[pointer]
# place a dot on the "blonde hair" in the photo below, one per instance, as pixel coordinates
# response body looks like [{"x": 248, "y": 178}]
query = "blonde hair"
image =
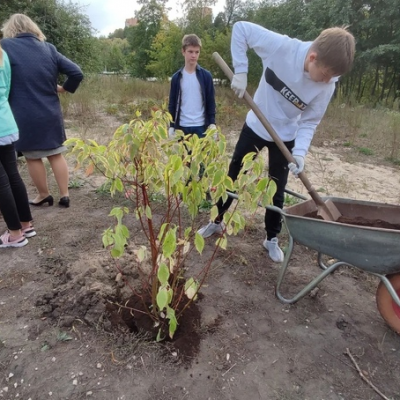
[
  {"x": 191, "y": 40},
  {"x": 335, "y": 48},
  {"x": 21, "y": 23}
]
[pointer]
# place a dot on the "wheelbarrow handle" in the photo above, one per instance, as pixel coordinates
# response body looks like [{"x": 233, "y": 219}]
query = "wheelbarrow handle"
[
  {"x": 271, "y": 208},
  {"x": 285, "y": 151},
  {"x": 295, "y": 194}
]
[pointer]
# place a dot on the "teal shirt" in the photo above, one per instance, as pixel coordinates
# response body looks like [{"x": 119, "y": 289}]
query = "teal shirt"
[{"x": 8, "y": 126}]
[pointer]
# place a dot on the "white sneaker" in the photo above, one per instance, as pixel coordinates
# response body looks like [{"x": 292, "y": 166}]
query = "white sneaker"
[
  {"x": 274, "y": 251},
  {"x": 211, "y": 228}
]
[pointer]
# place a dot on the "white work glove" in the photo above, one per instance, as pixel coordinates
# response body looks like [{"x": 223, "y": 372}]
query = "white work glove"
[
  {"x": 215, "y": 135},
  {"x": 239, "y": 84},
  {"x": 295, "y": 169},
  {"x": 171, "y": 133}
]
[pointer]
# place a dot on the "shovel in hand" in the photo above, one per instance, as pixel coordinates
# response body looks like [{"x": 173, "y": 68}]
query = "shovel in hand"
[{"x": 326, "y": 209}]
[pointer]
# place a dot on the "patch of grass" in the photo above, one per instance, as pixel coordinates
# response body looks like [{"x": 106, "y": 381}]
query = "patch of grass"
[
  {"x": 393, "y": 161},
  {"x": 290, "y": 200},
  {"x": 366, "y": 151},
  {"x": 104, "y": 188},
  {"x": 112, "y": 109},
  {"x": 75, "y": 184}
]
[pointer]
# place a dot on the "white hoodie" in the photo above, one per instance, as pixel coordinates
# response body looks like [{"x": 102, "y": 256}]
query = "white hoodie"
[{"x": 292, "y": 102}]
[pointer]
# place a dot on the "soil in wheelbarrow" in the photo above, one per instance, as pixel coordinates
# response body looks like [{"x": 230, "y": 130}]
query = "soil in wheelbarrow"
[{"x": 359, "y": 221}]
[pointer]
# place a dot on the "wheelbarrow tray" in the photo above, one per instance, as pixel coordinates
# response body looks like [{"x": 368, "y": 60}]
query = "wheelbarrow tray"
[{"x": 375, "y": 250}]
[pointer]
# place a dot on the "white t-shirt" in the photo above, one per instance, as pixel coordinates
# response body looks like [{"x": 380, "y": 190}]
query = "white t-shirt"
[
  {"x": 192, "y": 107},
  {"x": 292, "y": 103}
]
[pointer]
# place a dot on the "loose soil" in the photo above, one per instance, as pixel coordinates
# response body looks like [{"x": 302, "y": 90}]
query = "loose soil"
[
  {"x": 63, "y": 335},
  {"x": 360, "y": 221}
]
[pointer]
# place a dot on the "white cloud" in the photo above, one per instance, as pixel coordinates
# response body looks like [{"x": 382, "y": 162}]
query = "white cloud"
[{"x": 108, "y": 15}]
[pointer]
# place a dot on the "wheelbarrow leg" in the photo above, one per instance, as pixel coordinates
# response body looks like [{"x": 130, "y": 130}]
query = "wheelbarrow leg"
[
  {"x": 324, "y": 266},
  {"x": 310, "y": 286}
]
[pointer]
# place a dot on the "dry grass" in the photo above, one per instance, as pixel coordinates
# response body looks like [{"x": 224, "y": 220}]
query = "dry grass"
[{"x": 371, "y": 134}]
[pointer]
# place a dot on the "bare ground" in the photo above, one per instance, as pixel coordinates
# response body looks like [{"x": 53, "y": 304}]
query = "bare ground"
[{"x": 57, "y": 340}]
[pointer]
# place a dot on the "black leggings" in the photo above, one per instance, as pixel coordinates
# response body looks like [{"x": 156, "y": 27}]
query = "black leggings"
[
  {"x": 14, "y": 204},
  {"x": 277, "y": 170}
]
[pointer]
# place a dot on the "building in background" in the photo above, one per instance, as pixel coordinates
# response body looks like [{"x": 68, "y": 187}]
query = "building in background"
[{"x": 131, "y": 22}]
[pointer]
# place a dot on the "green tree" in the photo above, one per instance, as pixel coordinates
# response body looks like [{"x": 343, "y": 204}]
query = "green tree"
[
  {"x": 64, "y": 24},
  {"x": 113, "y": 54},
  {"x": 165, "y": 53},
  {"x": 140, "y": 37},
  {"x": 117, "y": 34}
]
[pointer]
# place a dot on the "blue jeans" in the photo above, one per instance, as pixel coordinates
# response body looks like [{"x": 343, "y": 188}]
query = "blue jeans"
[
  {"x": 194, "y": 130},
  {"x": 278, "y": 171},
  {"x": 14, "y": 203},
  {"x": 200, "y": 132}
]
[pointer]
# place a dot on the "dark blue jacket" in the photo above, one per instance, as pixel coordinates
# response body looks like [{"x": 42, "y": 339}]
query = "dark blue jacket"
[
  {"x": 207, "y": 91},
  {"x": 35, "y": 66}
]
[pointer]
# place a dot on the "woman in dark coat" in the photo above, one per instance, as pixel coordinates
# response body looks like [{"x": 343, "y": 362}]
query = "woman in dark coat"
[{"x": 35, "y": 66}]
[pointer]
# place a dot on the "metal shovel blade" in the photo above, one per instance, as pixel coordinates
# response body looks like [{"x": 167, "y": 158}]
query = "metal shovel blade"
[{"x": 328, "y": 211}]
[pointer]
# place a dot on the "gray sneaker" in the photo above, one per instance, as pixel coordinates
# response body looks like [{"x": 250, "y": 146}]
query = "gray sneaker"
[
  {"x": 211, "y": 228},
  {"x": 274, "y": 251}
]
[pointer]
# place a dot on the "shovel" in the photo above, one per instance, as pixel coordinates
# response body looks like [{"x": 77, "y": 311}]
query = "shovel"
[{"x": 326, "y": 210}]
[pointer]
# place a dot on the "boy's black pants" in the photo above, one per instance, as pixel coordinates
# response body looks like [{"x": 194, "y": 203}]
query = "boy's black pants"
[{"x": 278, "y": 170}]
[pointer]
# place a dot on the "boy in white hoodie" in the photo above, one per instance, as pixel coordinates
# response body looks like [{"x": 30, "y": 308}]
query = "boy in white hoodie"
[{"x": 295, "y": 88}]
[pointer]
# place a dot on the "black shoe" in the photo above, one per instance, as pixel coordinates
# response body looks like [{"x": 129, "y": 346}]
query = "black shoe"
[
  {"x": 64, "y": 202},
  {"x": 49, "y": 199}
]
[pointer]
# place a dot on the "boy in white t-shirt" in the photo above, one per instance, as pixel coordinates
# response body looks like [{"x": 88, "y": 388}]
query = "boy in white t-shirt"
[
  {"x": 294, "y": 91},
  {"x": 192, "y": 97}
]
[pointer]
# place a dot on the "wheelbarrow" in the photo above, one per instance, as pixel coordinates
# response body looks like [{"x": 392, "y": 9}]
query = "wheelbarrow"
[{"x": 373, "y": 250}]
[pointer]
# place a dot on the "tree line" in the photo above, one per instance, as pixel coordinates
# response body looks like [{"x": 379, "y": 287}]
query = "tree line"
[{"x": 152, "y": 48}]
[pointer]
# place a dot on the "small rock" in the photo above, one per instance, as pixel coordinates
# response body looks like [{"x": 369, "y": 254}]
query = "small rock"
[
  {"x": 75, "y": 382},
  {"x": 341, "y": 323},
  {"x": 98, "y": 366}
]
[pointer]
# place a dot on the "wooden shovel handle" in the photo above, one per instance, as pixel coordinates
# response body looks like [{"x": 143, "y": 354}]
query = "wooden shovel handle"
[{"x": 285, "y": 151}]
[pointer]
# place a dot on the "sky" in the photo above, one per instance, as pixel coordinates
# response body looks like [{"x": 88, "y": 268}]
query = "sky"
[{"x": 108, "y": 15}]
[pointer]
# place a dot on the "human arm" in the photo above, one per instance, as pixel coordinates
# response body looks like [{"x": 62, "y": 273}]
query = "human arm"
[
  {"x": 172, "y": 100},
  {"x": 70, "y": 69},
  {"x": 247, "y": 35},
  {"x": 60, "y": 89}
]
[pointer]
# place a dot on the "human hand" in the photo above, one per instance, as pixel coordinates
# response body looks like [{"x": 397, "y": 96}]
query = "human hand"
[
  {"x": 213, "y": 126},
  {"x": 295, "y": 169},
  {"x": 239, "y": 84},
  {"x": 171, "y": 133},
  {"x": 60, "y": 89}
]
